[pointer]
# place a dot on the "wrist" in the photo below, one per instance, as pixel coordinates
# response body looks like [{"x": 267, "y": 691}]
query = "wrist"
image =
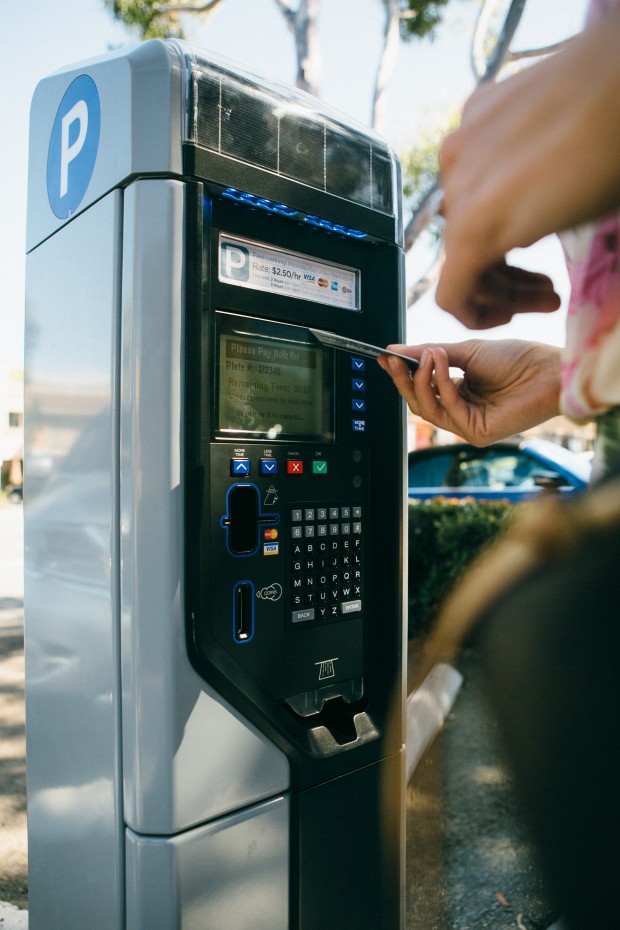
[{"x": 550, "y": 382}]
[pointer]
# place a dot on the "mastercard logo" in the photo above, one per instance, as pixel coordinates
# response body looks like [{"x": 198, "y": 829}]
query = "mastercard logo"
[{"x": 323, "y": 282}]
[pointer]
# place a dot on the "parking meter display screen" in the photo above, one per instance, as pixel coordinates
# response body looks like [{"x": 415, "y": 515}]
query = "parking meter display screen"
[{"x": 274, "y": 389}]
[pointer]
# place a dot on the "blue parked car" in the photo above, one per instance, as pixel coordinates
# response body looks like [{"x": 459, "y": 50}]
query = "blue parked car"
[{"x": 513, "y": 471}]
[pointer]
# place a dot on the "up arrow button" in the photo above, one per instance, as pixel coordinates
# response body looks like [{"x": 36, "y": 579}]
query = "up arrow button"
[{"x": 239, "y": 467}]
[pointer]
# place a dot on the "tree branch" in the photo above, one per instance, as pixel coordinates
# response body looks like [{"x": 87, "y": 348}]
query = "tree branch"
[
  {"x": 537, "y": 52},
  {"x": 425, "y": 213},
  {"x": 478, "y": 56},
  {"x": 204, "y": 7},
  {"x": 287, "y": 13},
  {"x": 502, "y": 46},
  {"x": 419, "y": 288}
]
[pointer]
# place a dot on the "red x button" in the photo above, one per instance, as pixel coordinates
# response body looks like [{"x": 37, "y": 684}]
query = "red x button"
[{"x": 294, "y": 467}]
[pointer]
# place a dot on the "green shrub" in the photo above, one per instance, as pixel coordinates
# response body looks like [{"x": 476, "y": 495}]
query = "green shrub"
[{"x": 445, "y": 534}]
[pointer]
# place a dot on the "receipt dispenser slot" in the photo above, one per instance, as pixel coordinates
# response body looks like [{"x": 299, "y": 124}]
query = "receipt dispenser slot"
[{"x": 243, "y": 611}]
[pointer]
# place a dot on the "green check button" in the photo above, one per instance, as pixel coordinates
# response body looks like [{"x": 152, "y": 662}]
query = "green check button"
[{"x": 319, "y": 467}]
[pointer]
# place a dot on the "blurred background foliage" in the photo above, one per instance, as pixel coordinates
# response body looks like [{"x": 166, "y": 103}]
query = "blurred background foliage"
[{"x": 445, "y": 535}]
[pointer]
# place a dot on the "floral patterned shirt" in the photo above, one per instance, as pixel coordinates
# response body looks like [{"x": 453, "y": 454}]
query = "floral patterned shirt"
[{"x": 591, "y": 358}]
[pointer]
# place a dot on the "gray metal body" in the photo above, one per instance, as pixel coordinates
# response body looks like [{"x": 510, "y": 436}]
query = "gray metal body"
[{"x": 153, "y": 802}]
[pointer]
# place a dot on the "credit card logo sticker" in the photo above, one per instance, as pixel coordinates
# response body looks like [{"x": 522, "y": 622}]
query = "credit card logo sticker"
[{"x": 73, "y": 147}]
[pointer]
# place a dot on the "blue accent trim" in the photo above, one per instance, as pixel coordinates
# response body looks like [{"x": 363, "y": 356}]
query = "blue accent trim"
[
  {"x": 272, "y": 206},
  {"x": 329, "y": 226},
  {"x": 254, "y": 201}
]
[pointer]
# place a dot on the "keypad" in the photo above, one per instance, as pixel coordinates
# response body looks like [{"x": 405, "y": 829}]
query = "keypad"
[{"x": 326, "y": 562}]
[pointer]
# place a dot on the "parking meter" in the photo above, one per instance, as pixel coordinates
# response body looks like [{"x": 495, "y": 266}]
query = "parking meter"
[{"x": 214, "y": 505}]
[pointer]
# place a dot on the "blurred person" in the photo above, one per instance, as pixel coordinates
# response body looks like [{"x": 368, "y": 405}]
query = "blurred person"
[{"x": 536, "y": 154}]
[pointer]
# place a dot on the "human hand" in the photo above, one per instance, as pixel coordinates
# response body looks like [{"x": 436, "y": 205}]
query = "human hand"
[
  {"x": 500, "y": 291},
  {"x": 507, "y": 386},
  {"x": 535, "y": 154}
]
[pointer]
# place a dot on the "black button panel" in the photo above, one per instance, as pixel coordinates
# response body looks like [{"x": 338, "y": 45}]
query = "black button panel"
[{"x": 326, "y": 562}]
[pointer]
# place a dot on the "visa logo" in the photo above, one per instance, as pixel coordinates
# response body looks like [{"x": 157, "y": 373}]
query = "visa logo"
[{"x": 309, "y": 277}]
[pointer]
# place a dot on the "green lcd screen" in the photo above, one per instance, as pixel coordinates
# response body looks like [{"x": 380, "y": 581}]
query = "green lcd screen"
[{"x": 274, "y": 388}]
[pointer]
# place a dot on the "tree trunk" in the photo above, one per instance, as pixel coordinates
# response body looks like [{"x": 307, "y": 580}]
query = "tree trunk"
[
  {"x": 302, "y": 23},
  {"x": 307, "y": 46},
  {"x": 387, "y": 63}
]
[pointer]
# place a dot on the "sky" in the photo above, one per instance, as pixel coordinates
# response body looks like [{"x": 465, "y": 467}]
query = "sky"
[{"x": 431, "y": 78}]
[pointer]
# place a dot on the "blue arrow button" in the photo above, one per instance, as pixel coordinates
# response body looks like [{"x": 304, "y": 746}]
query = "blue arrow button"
[{"x": 239, "y": 467}]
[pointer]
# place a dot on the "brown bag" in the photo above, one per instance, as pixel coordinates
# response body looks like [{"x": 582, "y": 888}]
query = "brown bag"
[
  {"x": 543, "y": 533},
  {"x": 542, "y": 608}
]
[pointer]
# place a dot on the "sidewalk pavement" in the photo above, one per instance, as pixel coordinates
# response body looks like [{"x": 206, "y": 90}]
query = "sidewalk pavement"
[
  {"x": 13, "y": 851},
  {"x": 11, "y": 918},
  {"x": 470, "y": 864}
]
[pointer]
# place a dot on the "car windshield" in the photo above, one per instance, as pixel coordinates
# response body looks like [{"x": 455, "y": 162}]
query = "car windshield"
[
  {"x": 485, "y": 469},
  {"x": 497, "y": 472},
  {"x": 556, "y": 456}
]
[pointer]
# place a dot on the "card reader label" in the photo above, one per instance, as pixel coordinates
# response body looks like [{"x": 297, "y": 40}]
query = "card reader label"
[{"x": 244, "y": 263}]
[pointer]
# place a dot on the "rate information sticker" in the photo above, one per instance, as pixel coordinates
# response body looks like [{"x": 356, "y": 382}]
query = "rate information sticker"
[{"x": 251, "y": 264}]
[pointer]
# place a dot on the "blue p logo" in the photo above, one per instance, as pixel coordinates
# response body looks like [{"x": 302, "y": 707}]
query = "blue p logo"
[{"x": 73, "y": 146}]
